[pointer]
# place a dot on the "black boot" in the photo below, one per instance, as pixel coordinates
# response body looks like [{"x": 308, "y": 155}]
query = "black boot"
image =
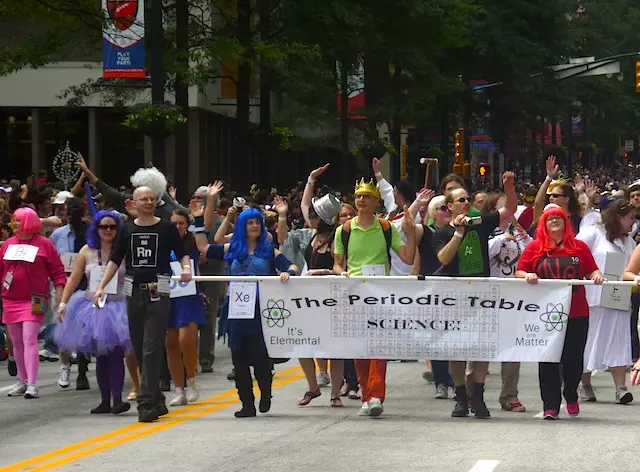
[
  {"x": 461, "y": 409},
  {"x": 479, "y": 407}
]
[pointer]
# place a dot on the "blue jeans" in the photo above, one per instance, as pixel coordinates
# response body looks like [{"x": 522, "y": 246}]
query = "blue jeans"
[
  {"x": 441, "y": 374},
  {"x": 47, "y": 334}
]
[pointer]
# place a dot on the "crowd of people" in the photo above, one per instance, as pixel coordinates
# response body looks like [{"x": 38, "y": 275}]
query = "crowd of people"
[{"x": 88, "y": 272}]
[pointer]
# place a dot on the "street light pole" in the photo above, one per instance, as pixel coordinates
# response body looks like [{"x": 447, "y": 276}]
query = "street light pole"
[{"x": 156, "y": 53}]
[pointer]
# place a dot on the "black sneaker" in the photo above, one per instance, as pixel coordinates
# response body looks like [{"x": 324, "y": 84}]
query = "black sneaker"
[
  {"x": 12, "y": 367},
  {"x": 161, "y": 409},
  {"x": 231, "y": 375},
  {"x": 165, "y": 385},
  {"x": 206, "y": 366},
  {"x": 480, "y": 409},
  {"x": 461, "y": 410},
  {"x": 245, "y": 413},
  {"x": 82, "y": 383},
  {"x": 265, "y": 403},
  {"x": 147, "y": 415}
]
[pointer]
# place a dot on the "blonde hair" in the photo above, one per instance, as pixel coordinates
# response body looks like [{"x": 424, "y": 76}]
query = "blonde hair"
[{"x": 433, "y": 206}]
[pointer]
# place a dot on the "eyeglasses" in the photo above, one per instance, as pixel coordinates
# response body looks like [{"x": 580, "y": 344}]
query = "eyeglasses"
[
  {"x": 555, "y": 218},
  {"x": 463, "y": 200},
  {"x": 147, "y": 200},
  {"x": 108, "y": 227},
  {"x": 443, "y": 208},
  {"x": 556, "y": 195}
]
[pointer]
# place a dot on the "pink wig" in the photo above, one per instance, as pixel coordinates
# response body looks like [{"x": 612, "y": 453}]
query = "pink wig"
[{"x": 29, "y": 221}]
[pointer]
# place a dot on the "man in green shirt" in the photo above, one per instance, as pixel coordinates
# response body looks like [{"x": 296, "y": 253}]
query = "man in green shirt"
[{"x": 367, "y": 254}]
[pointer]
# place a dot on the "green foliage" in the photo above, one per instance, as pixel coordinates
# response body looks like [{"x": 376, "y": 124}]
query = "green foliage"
[{"x": 165, "y": 116}]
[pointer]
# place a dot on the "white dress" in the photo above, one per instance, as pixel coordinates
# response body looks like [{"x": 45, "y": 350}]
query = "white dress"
[{"x": 609, "y": 338}]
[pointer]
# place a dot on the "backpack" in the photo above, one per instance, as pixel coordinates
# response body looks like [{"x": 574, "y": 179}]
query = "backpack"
[{"x": 386, "y": 230}]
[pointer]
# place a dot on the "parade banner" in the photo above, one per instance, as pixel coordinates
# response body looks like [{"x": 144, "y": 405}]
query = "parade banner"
[
  {"x": 414, "y": 319},
  {"x": 123, "y": 49}
]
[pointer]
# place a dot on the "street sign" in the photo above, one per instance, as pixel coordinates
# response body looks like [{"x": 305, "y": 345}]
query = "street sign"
[{"x": 628, "y": 145}]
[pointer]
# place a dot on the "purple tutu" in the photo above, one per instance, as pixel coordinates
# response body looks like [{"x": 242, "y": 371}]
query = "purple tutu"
[{"x": 91, "y": 330}]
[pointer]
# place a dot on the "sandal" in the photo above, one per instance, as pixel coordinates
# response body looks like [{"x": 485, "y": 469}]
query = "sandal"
[
  {"x": 353, "y": 395},
  {"x": 344, "y": 390},
  {"x": 336, "y": 402},
  {"x": 308, "y": 396}
]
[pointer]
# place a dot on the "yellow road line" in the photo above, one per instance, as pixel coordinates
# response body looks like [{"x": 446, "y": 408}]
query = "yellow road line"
[{"x": 136, "y": 431}]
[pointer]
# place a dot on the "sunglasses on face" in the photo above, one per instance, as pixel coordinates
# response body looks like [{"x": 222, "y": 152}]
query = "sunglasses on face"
[
  {"x": 108, "y": 227},
  {"x": 443, "y": 208},
  {"x": 556, "y": 195},
  {"x": 463, "y": 200}
]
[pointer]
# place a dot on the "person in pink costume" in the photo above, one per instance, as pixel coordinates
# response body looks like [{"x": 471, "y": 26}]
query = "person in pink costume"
[{"x": 27, "y": 262}]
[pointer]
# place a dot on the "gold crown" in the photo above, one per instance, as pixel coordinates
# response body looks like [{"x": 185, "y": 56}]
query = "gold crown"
[{"x": 367, "y": 187}]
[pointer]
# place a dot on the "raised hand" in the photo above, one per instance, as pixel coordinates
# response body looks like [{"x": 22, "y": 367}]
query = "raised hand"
[
  {"x": 552, "y": 167},
  {"x": 408, "y": 222},
  {"x": 375, "y": 165},
  {"x": 425, "y": 196},
  {"x": 281, "y": 206},
  {"x": 508, "y": 179},
  {"x": 319, "y": 171},
  {"x": 215, "y": 188},
  {"x": 195, "y": 209}
]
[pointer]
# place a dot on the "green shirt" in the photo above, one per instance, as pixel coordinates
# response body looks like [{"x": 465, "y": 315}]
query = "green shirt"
[{"x": 367, "y": 246}]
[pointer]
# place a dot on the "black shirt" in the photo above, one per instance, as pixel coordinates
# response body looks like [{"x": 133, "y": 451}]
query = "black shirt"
[
  {"x": 429, "y": 262},
  {"x": 147, "y": 250},
  {"x": 472, "y": 258}
]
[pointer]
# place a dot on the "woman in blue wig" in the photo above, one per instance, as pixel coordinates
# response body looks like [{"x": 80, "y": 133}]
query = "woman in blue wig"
[
  {"x": 86, "y": 328},
  {"x": 248, "y": 253}
]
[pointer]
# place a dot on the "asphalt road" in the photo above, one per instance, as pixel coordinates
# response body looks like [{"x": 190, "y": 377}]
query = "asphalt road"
[{"x": 415, "y": 433}]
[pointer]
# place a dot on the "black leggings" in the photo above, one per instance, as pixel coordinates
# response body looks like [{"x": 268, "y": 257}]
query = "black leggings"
[
  {"x": 572, "y": 366},
  {"x": 253, "y": 353}
]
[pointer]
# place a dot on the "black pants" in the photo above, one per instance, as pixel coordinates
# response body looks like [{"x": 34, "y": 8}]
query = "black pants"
[
  {"x": 635, "y": 342},
  {"x": 572, "y": 366},
  {"x": 350, "y": 375},
  {"x": 148, "y": 329},
  {"x": 253, "y": 353}
]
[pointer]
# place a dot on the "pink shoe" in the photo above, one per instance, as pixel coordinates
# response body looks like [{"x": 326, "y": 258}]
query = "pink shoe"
[
  {"x": 550, "y": 415},
  {"x": 573, "y": 409}
]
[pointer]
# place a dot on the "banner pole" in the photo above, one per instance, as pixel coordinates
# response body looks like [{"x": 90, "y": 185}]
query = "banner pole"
[{"x": 469, "y": 280}]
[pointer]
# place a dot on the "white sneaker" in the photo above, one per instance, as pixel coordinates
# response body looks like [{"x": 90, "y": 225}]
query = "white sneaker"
[
  {"x": 17, "y": 390},
  {"x": 364, "y": 410},
  {"x": 323, "y": 379},
  {"x": 48, "y": 356},
  {"x": 179, "y": 398},
  {"x": 63, "y": 379},
  {"x": 32, "y": 391},
  {"x": 442, "y": 392},
  {"x": 193, "y": 390},
  {"x": 375, "y": 407}
]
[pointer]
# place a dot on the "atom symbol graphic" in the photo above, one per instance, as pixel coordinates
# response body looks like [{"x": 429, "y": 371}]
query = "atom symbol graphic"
[
  {"x": 275, "y": 313},
  {"x": 554, "y": 318}
]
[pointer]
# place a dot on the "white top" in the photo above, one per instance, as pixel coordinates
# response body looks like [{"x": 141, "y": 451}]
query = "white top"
[
  {"x": 590, "y": 218},
  {"x": 596, "y": 238},
  {"x": 398, "y": 266},
  {"x": 504, "y": 254}
]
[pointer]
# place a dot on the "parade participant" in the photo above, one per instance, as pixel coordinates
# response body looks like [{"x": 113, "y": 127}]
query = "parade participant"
[
  {"x": 84, "y": 327},
  {"x": 608, "y": 342},
  {"x": 145, "y": 245},
  {"x": 556, "y": 254},
  {"x": 462, "y": 249},
  {"x": 185, "y": 315},
  {"x": 362, "y": 247},
  {"x": 27, "y": 262},
  {"x": 249, "y": 253}
]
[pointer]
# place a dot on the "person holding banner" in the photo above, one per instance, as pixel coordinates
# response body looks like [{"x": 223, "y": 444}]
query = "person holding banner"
[
  {"x": 27, "y": 262},
  {"x": 185, "y": 315},
  {"x": 462, "y": 248},
  {"x": 249, "y": 253},
  {"x": 363, "y": 247},
  {"x": 557, "y": 254},
  {"x": 84, "y": 327},
  {"x": 608, "y": 341}
]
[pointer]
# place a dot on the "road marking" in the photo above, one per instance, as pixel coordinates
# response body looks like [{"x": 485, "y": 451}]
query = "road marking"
[
  {"x": 484, "y": 466},
  {"x": 136, "y": 431}
]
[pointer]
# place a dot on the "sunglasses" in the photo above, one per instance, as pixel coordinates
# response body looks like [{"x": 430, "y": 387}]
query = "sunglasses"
[
  {"x": 556, "y": 195},
  {"x": 443, "y": 208},
  {"x": 108, "y": 227},
  {"x": 463, "y": 200}
]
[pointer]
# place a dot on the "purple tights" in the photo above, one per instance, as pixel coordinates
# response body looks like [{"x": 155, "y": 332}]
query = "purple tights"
[{"x": 110, "y": 374}]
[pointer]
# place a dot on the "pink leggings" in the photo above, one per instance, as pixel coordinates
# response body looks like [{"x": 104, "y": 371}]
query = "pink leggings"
[{"x": 24, "y": 336}]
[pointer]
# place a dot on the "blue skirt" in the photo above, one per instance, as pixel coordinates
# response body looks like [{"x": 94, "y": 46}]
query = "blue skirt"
[{"x": 186, "y": 310}]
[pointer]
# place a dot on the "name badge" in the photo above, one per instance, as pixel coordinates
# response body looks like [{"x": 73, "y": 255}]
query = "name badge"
[
  {"x": 164, "y": 284},
  {"x": 7, "y": 280},
  {"x": 181, "y": 289},
  {"x": 95, "y": 277},
  {"x": 127, "y": 286},
  {"x": 21, "y": 252},
  {"x": 374, "y": 270},
  {"x": 242, "y": 300},
  {"x": 68, "y": 261}
]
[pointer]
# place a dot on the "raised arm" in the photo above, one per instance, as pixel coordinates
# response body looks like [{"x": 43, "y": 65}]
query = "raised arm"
[
  {"x": 222, "y": 236},
  {"x": 210, "y": 208},
  {"x": 386, "y": 189},
  {"x": 305, "y": 205},
  {"x": 541, "y": 196},
  {"x": 511, "y": 203}
]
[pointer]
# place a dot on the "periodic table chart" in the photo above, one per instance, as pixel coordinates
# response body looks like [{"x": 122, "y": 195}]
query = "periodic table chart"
[{"x": 477, "y": 338}]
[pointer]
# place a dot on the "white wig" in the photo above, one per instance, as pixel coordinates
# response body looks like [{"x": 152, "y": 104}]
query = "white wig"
[{"x": 152, "y": 178}]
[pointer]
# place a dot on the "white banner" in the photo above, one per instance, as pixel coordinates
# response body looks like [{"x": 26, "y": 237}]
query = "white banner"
[
  {"x": 182, "y": 289},
  {"x": 413, "y": 319}
]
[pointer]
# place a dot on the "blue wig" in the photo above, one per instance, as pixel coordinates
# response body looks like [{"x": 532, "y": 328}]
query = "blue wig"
[
  {"x": 93, "y": 239},
  {"x": 238, "y": 249}
]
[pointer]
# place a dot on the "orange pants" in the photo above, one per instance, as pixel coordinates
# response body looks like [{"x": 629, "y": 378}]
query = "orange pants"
[{"x": 372, "y": 375}]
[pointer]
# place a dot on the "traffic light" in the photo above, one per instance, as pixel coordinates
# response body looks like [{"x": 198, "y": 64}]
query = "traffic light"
[
  {"x": 626, "y": 155},
  {"x": 483, "y": 170},
  {"x": 637, "y": 76},
  {"x": 459, "y": 146}
]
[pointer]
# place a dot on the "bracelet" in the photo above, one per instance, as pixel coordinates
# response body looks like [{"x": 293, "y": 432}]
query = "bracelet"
[
  {"x": 186, "y": 266},
  {"x": 458, "y": 235},
  {"x": 282, "y": 219},
  {"x": 378, "y": 174},
  {"x": 636, "y": 368},
  {"x": 291, "y": 272},
  {"x": 62, "y": 304},
  {"x": 310, "y": 181},
  {"x": 548, "y": 179}
]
